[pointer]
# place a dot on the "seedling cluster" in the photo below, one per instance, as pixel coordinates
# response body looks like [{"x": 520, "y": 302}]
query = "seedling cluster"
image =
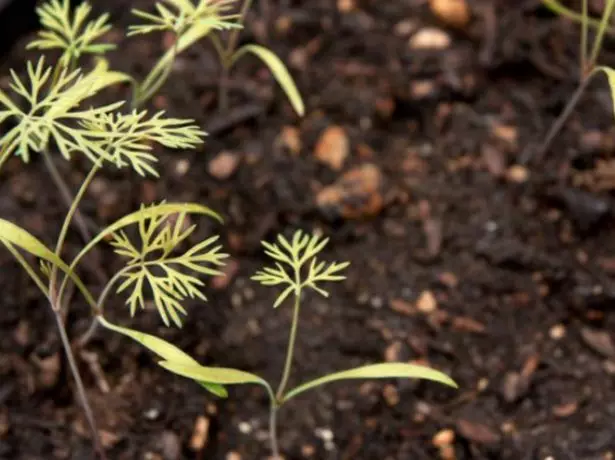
[{"x": 52, "y": 114}]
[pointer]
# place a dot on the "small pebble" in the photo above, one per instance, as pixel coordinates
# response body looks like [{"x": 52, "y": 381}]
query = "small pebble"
[
  {"x": 427, "y": 302},
  {"x": 224, "y": 165},
  {"x": 324, "y": 433},
  {"x": 557, "y": 332},
  {"x": 430, "y": 38},
  {"x": 443, "y": 438},
  {"x": 245, "y": 428}
]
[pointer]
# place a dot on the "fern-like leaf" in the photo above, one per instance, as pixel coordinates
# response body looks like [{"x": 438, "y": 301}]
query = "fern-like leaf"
[
  {"x": 181, "y": 15},
  {"x": 153, "y": 266},
  {"x": 51, "y": 108},
  {"x": 74, "y": 33},
  {"x": 128, "y": 139},
  {"x": 296, "y": 265}
]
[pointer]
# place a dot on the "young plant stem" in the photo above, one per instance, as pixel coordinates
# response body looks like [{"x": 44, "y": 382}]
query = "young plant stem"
[
  {"x": 226, "y": 58},
  {"x": 234, "y": 37},
  {"x": 604, "y": 22},
  {"x": 66, "y": 195},
  {"x": 584, "y": 27},
  {"x": 73, "y": 213},
  {"x": 87, "y": 409},
  {"x": 55, "y": 301},
  {"x": 563, "y": 117},
  {"x": 291, "y": 347},
  {"x": 100, "y": 302},
  {"x": 273, "y": 430}
]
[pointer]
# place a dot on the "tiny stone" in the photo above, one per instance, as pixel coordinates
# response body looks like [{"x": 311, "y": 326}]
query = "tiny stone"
[
  {"x": 430, "y": 38},
  {"x": 455, "y": 13},
  {"x": 200, "y": 434},
  {"x": 557, "y": 332},
  {"x": 376, "y": 303},
  {"x": 333, "y": 147},
  {"x": 324, "y": 433},
  {"x": 392, "y": 352},
  {"x": 443, "y": 438},
  {"x": 491, "y": 226},
  {"x": 182, "y": 167},
  {"x": 427, "y": 302},
  {"x": 224, "y": 165},
  {"x": 152, "y": 413},
  {"x": 245, "y": 428},
  {"x": 518, "y": 174}
]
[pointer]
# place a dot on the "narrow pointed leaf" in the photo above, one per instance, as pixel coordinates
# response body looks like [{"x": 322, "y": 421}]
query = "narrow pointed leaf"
[
  {"x": 279, "y": 71},
  {"x": 219, "y": 375},
  {"x": 19, "y": 237},
  {"x": 610, "y": 75},
  {"x": 165, "y": 350},
  {"x": 377, "y": 371},
  {"x": 282, "y": 297}
]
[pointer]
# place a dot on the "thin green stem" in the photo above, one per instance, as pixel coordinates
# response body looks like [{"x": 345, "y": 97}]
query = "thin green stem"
[
  {"x": 584, "y": 27},
  {"x": 89, "y": 415},
  {"x": 66, "y": 195},
  {"x": 604, "y": 22},
  {"x": 102, "y": 298},
  {"x": 73, "y": 213},
  {"x": 234, "y": 37},
  {"x": 226, "y": 57},
  {"x": 273, "y": 430},
  {"x": 28, "y": 268},
  {"x": 291, "y": 347},
  {"x": 70, "y": 357},
  {"x": 563, "y": 117},
  {"x": 149, "y": 88},
  {"x": 74, "y": 208}
]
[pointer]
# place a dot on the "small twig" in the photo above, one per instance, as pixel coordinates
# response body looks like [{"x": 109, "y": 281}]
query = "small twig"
[{"x": 558, "y": 125}]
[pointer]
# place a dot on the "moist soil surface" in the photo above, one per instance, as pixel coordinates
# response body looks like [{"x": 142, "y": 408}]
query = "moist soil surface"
[{"x": 468, "y": 252}]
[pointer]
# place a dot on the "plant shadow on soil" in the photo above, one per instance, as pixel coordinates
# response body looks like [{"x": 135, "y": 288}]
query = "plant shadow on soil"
[{"x": 516, "y": 262}]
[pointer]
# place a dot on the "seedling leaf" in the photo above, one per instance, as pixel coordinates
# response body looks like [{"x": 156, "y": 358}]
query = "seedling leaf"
[
  {"x": 610, "y": 75},
  {"x": 377, "y": 371},
  {"x": 165, "y": 350},
  {"x": 220, "y": 375},
  {"x": 279, "y": 71},
  {"x": 140, "y": 216},
  {"x": 17, "y": 236},
  {"x": 74, "y": 34},
  {"x": 152, "y": 263}
]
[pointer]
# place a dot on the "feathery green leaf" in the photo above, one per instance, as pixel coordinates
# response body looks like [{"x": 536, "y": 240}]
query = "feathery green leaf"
[
  {"x": 155, "y": 267},
  {"x": 291, "y": 259},
  {"x": 73, "y": 33}
]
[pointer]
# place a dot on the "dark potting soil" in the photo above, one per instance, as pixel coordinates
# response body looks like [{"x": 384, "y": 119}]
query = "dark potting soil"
[{"x": 496, "y": 272}]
